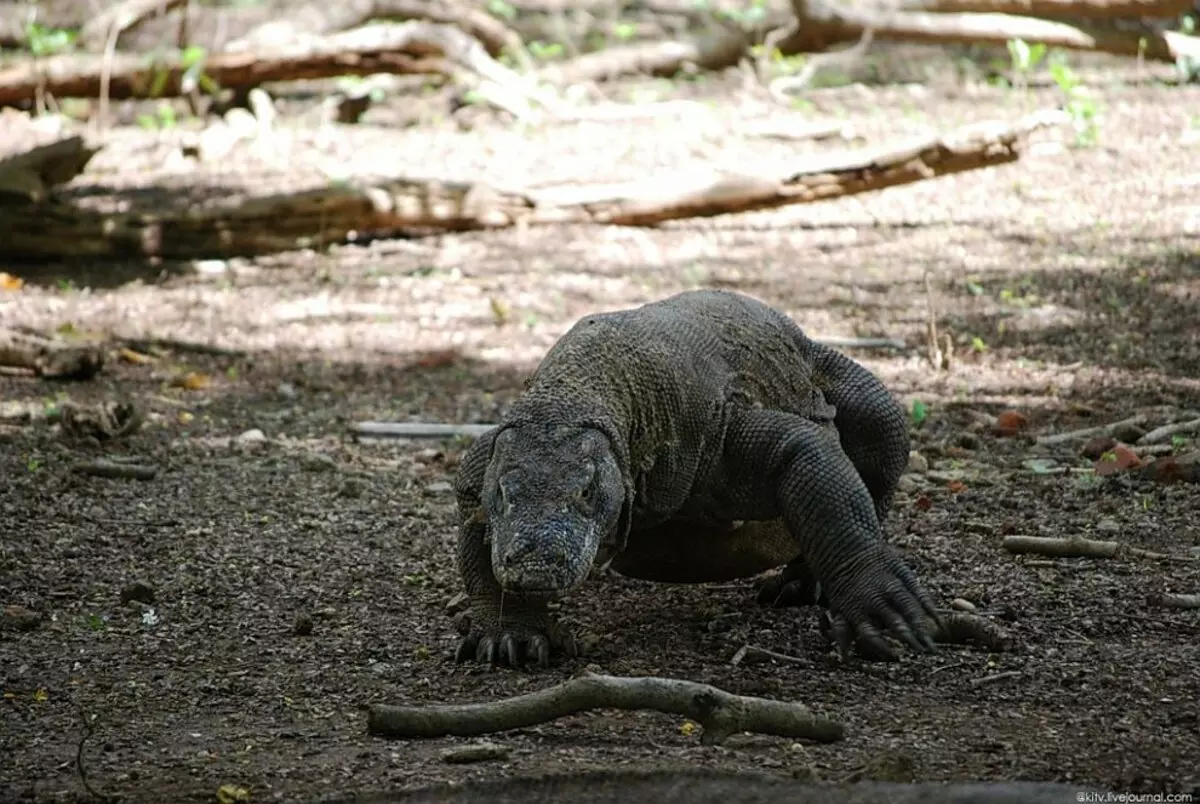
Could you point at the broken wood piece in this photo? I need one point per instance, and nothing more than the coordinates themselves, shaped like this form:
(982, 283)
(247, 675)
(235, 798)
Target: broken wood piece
(103, 421)
(1068, 9)
(753, 654)
(419, 430)
(31, 174)
(1075, 547)
(960, 628)
(51, 358)
(720, 713)
(1175, 601)
(115, 471)
(1165, 433)
(1090, 432)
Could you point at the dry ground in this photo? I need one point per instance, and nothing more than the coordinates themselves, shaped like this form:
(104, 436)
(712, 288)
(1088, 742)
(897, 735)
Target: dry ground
(1077, 269)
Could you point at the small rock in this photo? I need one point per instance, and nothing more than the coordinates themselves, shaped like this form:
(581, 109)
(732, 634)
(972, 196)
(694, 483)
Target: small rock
(907, 484)
(303, 626)
(1108, 526)
(917, 463)
(967, 441)
(1128, 433)
(138, 592)
(475, 752)
(1194, 552)
(286, 390)
(1095, 447)
(961, 604)
(1010, 423)
(318, 462)
(351, 488)
(19, 618)
(252, 437)
(439, 487)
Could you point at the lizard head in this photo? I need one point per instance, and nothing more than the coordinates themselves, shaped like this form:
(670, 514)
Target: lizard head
(554, 494)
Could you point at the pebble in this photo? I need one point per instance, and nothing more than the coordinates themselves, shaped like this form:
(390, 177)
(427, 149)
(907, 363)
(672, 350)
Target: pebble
(303, 625)
(475, 752)
(286, 390)
(907, 484)
(254, 436)
(962, 604)
(439, 487)
(351, 488)
(139, 592)
(318, 462)
(917, 463)
(1108, 525)
(1097, 446)
(1128, 433)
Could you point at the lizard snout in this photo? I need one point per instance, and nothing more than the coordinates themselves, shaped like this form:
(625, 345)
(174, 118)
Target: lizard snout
(534, 563)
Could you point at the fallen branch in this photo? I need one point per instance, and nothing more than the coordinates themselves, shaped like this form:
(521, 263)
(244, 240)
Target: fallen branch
(1069, 9)
(418, 430)
(332, 214)
(408, 48)
(720, 713)
(753, 654)
(1173, 601)
(1165, 433)
(715, 50)
(123, 16)
(50, 358)
(1091, 432)
(821, 24)
(979, 682)
(1077, 547)
(115, 471)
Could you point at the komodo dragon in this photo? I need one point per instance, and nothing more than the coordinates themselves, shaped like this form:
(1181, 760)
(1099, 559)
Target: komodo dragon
(710, 787)
(699, 438)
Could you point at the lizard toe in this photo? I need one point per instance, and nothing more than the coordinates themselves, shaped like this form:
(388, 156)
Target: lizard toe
(512, 652)
(466, 648)
(539, 648)
(487, 653)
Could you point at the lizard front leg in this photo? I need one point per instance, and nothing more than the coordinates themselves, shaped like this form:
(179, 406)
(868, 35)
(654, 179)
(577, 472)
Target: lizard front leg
(788, 466)
(501, 629)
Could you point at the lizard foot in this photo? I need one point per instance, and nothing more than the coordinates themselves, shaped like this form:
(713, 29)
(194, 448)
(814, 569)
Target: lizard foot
(515, 642)
(878, 595)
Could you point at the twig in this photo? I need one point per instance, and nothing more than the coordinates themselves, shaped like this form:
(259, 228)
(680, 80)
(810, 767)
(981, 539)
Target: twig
(89, 727)
(860, 343)
(979, 682)
(1077, 547)
(1164, 433)
(1174, 601)
(1089, 432)
(418, 430)
(720, 713)
(753, 654)
(116, 471)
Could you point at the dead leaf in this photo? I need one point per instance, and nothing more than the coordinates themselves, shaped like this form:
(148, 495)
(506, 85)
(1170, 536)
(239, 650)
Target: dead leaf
(1010, 423)
(130, 356)
(438, 359)
(1183, 468)
(10, 282)
(955, 486)
(1118, 459)
(1097, 446)
(923, 503)
(192, 381)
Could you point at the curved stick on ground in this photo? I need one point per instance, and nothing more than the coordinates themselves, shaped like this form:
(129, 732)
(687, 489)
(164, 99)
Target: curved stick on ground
(1168, 431)
(720, 713)
(1175, 601)
(1077, 547)
(960, 628)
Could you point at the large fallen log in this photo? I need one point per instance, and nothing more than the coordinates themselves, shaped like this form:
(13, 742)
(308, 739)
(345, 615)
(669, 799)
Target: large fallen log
(335, 213)
(30, 175)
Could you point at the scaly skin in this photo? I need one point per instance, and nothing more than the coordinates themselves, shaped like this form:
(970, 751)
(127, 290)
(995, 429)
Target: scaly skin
(709, 414)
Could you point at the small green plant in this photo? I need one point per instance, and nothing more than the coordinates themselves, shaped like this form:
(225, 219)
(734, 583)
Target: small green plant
(32, 464)
(624, 31)
(978, 345)
(1079, 104)
(501, 9)
(919, 413)
(194, 78)
(45, 41)
(1178, 441)
(164, 117)
(545, 51)
(1025, 59)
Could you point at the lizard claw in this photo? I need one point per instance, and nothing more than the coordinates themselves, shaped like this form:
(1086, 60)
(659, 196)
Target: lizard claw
(883, 598)
(516, 646)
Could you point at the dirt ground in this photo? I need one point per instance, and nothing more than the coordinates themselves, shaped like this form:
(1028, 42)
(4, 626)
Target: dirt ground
(1070, 282)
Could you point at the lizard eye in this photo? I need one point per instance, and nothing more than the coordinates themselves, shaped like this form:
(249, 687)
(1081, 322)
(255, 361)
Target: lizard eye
(586, 494)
